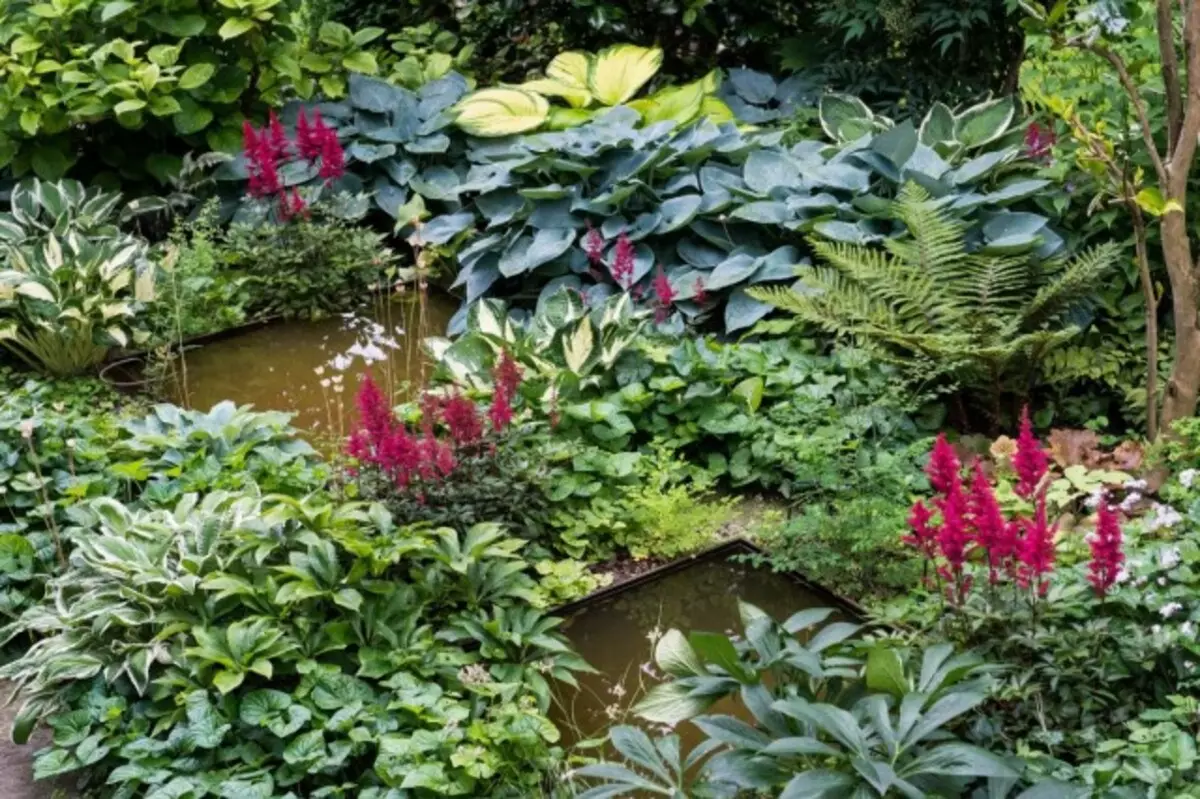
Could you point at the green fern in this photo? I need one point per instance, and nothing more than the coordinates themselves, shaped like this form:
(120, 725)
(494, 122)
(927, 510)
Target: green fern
(926, 299)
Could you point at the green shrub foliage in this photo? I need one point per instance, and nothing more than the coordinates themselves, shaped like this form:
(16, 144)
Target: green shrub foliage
(895, 51)
(121, 89)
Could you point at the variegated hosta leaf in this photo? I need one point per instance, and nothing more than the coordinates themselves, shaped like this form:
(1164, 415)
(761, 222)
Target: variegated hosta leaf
(579, 345)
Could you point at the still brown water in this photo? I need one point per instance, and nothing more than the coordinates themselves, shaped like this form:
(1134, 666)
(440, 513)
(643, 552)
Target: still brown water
(615, 636)
(312, 368)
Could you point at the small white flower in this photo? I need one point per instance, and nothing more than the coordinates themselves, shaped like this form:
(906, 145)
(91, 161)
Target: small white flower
(26, 428)
(1162, 580)
(1122, 575)
(70, 442)
(1170, 609)
(1187, 629)
(320, 370)
(325, 383)
(1187, 477)
(1131, 499)
(1135, 485)
(341, 362)
(1093, 500)
(1164, 516)
(1168, 557)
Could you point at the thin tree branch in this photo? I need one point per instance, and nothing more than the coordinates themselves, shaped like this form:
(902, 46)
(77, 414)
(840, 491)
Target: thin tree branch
(1181, 159)
(1170, 72)
(1139, 106)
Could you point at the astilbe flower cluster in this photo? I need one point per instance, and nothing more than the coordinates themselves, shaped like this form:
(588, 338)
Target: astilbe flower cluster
(622, 268)
(664, 295)
(1039, 142)
(970, 526)
(411, 457)
(268, 149)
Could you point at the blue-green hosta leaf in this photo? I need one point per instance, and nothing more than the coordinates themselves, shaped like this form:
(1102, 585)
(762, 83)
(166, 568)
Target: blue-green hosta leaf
(732, 271)
(978, 167)
(752, 86)
(743, 311)
(764, 213)
(442, 229)
(529, 252)
(768, 169)
(938, 125)
(369, 153)
(898, 144)
(840, 176)
(698, 254)
(841, 116)
(500, 207)
(437, 143)
(678, 212)
(436, 183)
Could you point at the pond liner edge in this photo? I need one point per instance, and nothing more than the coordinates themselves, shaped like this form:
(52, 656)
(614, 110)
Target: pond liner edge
(736, 546)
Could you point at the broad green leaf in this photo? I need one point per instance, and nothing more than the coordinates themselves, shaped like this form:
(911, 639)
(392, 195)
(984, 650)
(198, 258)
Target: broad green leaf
(984, 123)
(571, 69)
(885, 672)
(675, 656)
(235, 27)
(838, 111)
(575, 97)
(196, 76)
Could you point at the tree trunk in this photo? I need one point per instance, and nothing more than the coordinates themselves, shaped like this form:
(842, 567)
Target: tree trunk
(1182, 388)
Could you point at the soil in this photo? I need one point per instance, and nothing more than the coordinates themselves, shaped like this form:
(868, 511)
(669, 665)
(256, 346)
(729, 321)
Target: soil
(16, 761)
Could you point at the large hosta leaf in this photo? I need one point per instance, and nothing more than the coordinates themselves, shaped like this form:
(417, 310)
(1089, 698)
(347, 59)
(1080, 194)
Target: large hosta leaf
(501, 112)
(616, 74)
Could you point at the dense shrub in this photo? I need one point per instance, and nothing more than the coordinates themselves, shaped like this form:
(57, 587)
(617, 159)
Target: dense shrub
(118, 91)
(895, 51)
(279, 645)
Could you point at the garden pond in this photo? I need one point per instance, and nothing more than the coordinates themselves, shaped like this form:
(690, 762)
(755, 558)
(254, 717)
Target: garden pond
(311, 368)
(615, 632)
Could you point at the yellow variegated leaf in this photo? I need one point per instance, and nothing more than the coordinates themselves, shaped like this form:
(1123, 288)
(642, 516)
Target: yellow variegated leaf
(711, 81)
(109, 310)
(617, 73)
(71, 313)
(35, 291)
(678, 104)
(577, 347)
(143, 287)
(8, 332)
(570, 68)
(118, 335)
(53, 253)
(501, 112)
(120, 280)
(576, 98)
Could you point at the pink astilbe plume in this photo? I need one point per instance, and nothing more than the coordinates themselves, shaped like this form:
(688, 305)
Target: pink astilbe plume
(988, 526)
(622, 268)
(261, 164)
(462, 419)
(277, 138)
(954, 540)
(333, 158)
(1036, 550)
(292, 205)
(923, 535)
(1107, 553)
(1029, 461)
(507, 379)
(944, 469)
(374, 411)
(664, 295)
(309, 138)
(593, 245)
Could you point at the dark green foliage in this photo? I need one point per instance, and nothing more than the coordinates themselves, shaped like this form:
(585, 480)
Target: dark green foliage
(895, 51)
(829, 716)
(306, 268)
(118, 91)
(62, 445)
(278, 645)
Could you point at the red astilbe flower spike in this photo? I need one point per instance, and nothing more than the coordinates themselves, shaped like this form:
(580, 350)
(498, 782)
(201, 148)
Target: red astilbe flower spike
(953, 540)
(1039, 142)
(664, 294)
(309, 138)
(944, 469)
(462, 418)
(1036, 551)
(923, 535)
(507, 378)
(333, 158)
(374, 411)
(593, 245)
(1029, 461)
(1107, 553)
(622, 268)
(989, 529)
(260, 163)
(292, 205)
(277, 138)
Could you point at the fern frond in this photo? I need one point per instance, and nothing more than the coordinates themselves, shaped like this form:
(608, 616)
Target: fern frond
(1073, 285)
(995, 286)
(906, 291)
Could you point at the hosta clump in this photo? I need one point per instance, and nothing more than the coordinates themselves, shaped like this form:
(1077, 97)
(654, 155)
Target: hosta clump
(64, 444)
(828, 716)
(72, 286)
(291, 647)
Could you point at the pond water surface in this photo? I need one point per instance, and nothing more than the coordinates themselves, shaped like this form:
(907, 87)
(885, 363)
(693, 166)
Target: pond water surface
(312, 368)
(614, 635)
